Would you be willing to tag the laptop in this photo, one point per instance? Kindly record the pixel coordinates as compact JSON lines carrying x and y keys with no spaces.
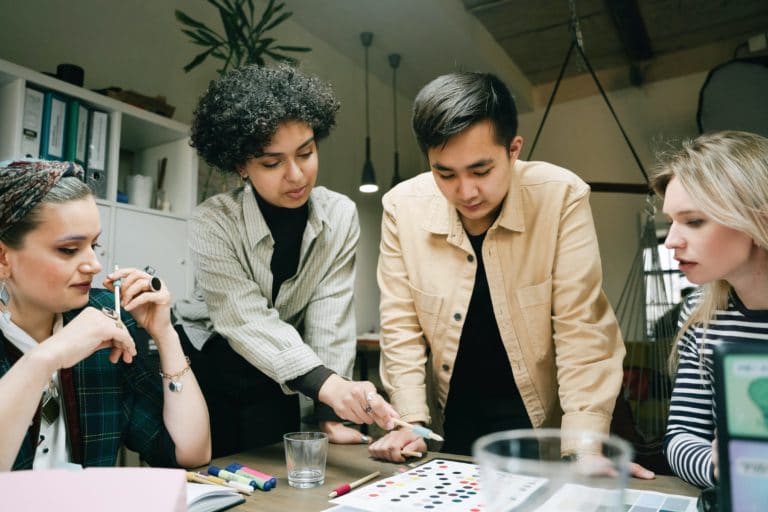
{"x":741,"y":408}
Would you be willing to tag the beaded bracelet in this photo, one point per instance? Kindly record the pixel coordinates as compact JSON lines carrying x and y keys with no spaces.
{"x":175,"y":385}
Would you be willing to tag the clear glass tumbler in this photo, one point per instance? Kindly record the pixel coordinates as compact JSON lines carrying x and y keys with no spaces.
{"x":305,"y":455}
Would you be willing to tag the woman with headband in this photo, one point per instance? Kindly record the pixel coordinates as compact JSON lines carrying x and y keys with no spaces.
{"x":72,"y":389}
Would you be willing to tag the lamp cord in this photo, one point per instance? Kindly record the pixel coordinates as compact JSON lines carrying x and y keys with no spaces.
{"x":394,"y":106}
{"x":367,"y":118}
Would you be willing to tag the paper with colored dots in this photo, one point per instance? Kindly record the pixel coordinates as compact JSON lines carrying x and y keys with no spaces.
{"x":442,"y":485}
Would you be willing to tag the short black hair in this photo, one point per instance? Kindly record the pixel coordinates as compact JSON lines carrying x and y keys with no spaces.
{"x":239,"y":113}
{"x":451,"y":103}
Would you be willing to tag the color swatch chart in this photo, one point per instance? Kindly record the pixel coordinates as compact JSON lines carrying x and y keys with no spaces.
{"x":436,"y":485}
{"x":578,"y":498}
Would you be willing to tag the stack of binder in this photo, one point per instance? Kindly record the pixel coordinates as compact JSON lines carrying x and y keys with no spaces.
{"x":57,"y":127}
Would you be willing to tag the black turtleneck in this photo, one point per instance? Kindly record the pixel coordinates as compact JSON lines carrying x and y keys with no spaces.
{"x":287,"y":226}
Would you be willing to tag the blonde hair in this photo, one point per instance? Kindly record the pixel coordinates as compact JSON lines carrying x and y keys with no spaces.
{"x":726,"y":176}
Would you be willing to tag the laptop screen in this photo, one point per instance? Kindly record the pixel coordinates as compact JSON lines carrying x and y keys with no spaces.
{"x":741,"y":390}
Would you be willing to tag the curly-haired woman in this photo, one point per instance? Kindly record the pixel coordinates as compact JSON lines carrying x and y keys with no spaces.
{"x":275,"y":264}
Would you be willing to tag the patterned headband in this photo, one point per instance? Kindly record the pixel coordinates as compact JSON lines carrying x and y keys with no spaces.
{"x":24,"y":183}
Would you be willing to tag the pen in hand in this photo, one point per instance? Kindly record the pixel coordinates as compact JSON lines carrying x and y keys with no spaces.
{"x":419,"y":430}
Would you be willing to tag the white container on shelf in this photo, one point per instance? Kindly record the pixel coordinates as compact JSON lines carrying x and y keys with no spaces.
{"x":140,"y":190}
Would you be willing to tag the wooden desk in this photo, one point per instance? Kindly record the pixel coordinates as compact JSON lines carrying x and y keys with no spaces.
{"x":348,"y":463}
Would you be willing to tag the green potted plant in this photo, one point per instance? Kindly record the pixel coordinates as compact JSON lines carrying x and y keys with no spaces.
{"x":244,"y":40}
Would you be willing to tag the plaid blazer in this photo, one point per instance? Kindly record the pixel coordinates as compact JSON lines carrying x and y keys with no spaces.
{"x":115,"y":404}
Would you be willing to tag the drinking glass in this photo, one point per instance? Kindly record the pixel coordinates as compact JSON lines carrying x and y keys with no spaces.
{"x":305,"y":455}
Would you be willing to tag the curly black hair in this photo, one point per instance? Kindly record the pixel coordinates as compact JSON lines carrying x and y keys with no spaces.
{"x":239,"y":113}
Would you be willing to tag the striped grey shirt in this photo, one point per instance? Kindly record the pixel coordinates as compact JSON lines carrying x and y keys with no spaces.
{"x":691,"y":423}
{"x":311,"y":322}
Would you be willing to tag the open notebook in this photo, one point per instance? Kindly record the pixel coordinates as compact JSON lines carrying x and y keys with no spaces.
{"x":211,"y":498}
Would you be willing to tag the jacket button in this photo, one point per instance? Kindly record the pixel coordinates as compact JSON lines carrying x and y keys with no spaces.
{"x":457,"y":316}
{"x":446,"y":367}
{"x":470,"y":258}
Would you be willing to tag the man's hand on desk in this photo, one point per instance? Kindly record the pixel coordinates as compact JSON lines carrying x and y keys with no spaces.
{"x":338,"y":433}
{"x":390,"y":446}
{"x":638,"y":471}
{"x":357,"y":401}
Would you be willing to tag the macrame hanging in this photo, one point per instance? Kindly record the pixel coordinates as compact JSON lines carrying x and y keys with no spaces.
{"x":644,"y":313}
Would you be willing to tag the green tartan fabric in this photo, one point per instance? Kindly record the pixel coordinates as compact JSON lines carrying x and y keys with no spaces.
{"x":118,"y":404}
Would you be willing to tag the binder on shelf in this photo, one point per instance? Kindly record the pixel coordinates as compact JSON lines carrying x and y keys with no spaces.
{"x":96,"y":157}
{"x":32,"y":122}
{"x":76,"y":132}
{"x":54,"y":123}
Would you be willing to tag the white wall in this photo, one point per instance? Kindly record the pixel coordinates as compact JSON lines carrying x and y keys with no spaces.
{"x":138,"y":45}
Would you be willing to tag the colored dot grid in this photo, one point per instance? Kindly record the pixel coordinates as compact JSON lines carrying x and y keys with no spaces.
{"x":437,"y":485}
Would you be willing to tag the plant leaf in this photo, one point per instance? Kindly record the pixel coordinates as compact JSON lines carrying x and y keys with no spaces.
{"x":189,"y":21}
{"x":293,"y":48}
{"x":197,"y":60}
{"x":269,"y":11}
{"x":284,"y":16}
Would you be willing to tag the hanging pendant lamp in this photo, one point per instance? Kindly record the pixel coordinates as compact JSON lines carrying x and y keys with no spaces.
{"x":368,"y":184}
{"x":394,"y":62}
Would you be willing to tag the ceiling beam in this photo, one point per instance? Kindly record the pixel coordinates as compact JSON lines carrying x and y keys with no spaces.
{"x":631,"y":28}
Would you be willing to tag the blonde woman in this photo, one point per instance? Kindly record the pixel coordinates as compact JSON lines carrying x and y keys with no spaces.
{"x":715,"y":192}
{"x":72,"y":388}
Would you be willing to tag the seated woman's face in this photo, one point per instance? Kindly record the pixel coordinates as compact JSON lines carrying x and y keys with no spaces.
{"x":53,"y":269}
{"x":285,"y":174}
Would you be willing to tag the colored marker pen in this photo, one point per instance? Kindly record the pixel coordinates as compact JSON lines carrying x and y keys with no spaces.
{"x":269,"y":480}
{"x":231,"y":477}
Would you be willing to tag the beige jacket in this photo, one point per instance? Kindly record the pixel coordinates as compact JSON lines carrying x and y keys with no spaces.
{"x":543,"y":267}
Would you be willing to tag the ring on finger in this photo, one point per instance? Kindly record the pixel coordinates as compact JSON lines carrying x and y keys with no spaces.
{"x":368,"y":409}
{"x":112,"y":315}
{"x":364,"y":439}
{"x":155,"y":284}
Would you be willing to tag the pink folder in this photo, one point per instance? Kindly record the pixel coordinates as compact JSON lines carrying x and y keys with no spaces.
{"x":95,"y":490}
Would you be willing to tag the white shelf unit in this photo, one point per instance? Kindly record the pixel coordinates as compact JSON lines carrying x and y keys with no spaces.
{"x":137,"y":140}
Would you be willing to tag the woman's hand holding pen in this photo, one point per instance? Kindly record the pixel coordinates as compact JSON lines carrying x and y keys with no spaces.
{"x":357,"y":401}
{"x":146,"y":298}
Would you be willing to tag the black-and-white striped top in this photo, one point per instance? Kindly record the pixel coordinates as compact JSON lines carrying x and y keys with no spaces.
{"x":691,"y":423}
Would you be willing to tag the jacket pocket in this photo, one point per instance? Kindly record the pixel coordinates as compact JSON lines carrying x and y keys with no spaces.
{"x":427,"y":310}
{"x":536,"y":307}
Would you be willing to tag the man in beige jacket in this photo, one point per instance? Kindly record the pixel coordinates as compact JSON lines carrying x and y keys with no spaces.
{"x":490,"y":281}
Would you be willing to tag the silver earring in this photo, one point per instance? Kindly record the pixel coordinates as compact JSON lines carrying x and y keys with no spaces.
{"x":4,"y":297}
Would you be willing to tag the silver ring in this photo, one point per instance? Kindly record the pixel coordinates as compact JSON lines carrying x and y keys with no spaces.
{"x":368,"y":410}
{"x":364,"y":439}
{"x":109,"y":312}
{"x":155,"y":284}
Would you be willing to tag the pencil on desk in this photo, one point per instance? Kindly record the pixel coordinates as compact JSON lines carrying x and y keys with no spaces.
{"x":411,"y":453}
{"x":344,"y":489}
{"x":208,"y":479}
{"x":422,"y":431}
